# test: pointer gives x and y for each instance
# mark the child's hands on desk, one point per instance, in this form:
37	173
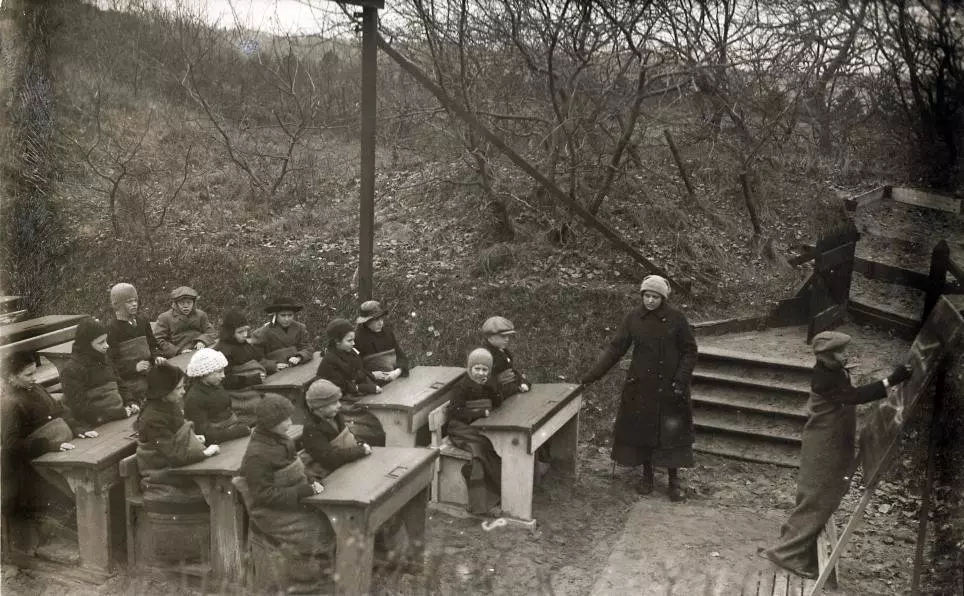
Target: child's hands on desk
142	366
367	448
317	487
159	359
524	387
282	365
199	345
294	360
66	446
90	434
132	409
211	450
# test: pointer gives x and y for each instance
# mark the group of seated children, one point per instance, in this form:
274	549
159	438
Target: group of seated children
119	369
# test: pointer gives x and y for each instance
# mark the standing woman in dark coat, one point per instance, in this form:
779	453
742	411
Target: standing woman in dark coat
827	456
655	421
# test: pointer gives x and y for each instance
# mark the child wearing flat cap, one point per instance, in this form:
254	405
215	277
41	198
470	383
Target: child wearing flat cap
504	377
184	328
827	457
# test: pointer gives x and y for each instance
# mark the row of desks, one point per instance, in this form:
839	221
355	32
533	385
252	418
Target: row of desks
380	482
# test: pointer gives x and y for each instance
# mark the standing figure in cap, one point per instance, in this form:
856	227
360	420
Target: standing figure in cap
376	344
285	341
184	328
132	348
342	366
827	459
654	426
474	397
504	377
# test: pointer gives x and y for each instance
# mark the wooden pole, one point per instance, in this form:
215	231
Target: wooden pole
366	219
588	218
925	507
679	163
937	278
750	205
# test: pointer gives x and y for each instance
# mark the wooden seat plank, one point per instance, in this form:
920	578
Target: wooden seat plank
39	342
22	330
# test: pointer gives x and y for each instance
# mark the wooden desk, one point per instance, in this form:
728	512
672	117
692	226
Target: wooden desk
361	496
87	473
403	405
213	476
8	303
292	383
60	354
524	423
15	332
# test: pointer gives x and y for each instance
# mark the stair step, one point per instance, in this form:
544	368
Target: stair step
772	383
748	449
734	364
756	401
762	427
767	362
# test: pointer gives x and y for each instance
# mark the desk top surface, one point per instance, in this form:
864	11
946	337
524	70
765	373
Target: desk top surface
408	393
294	377
65	349
115	441
526	411
228	460
371	479
33	327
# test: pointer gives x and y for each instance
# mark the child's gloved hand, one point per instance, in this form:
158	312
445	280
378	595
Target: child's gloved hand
142	366
66	446
317	487
186	351
90	434
282	365
368	448
524	387
199	345
294	360
380	375
160	359
378	389
132	409
211	450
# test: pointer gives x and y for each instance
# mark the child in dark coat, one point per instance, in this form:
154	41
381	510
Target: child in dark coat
473	397
827	455
504	377
207	404
90	386
376	344
247	366
328	440
285	341
342	366
274	484
132	348
184	328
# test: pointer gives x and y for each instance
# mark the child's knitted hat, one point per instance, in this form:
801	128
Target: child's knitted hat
206	361
121	293
322	393
479	356
657	284
272	410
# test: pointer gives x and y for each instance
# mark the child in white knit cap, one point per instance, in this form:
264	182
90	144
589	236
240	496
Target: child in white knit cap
207	403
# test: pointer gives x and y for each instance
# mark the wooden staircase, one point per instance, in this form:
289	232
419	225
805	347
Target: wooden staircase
749	407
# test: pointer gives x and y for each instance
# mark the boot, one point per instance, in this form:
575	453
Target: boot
645	485
675	490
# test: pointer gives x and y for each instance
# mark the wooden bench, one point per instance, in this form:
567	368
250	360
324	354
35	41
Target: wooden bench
361	496
448	485
87	473
403	406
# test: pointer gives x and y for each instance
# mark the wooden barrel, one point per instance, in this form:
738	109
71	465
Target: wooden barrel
180	537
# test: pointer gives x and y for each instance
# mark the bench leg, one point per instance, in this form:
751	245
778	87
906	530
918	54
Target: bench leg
518	476
354	552
413	516
564	445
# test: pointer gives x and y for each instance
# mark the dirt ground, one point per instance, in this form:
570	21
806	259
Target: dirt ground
596	536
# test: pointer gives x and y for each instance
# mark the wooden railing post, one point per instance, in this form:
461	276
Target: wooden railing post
937	278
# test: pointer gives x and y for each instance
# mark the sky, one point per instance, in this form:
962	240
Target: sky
268	16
